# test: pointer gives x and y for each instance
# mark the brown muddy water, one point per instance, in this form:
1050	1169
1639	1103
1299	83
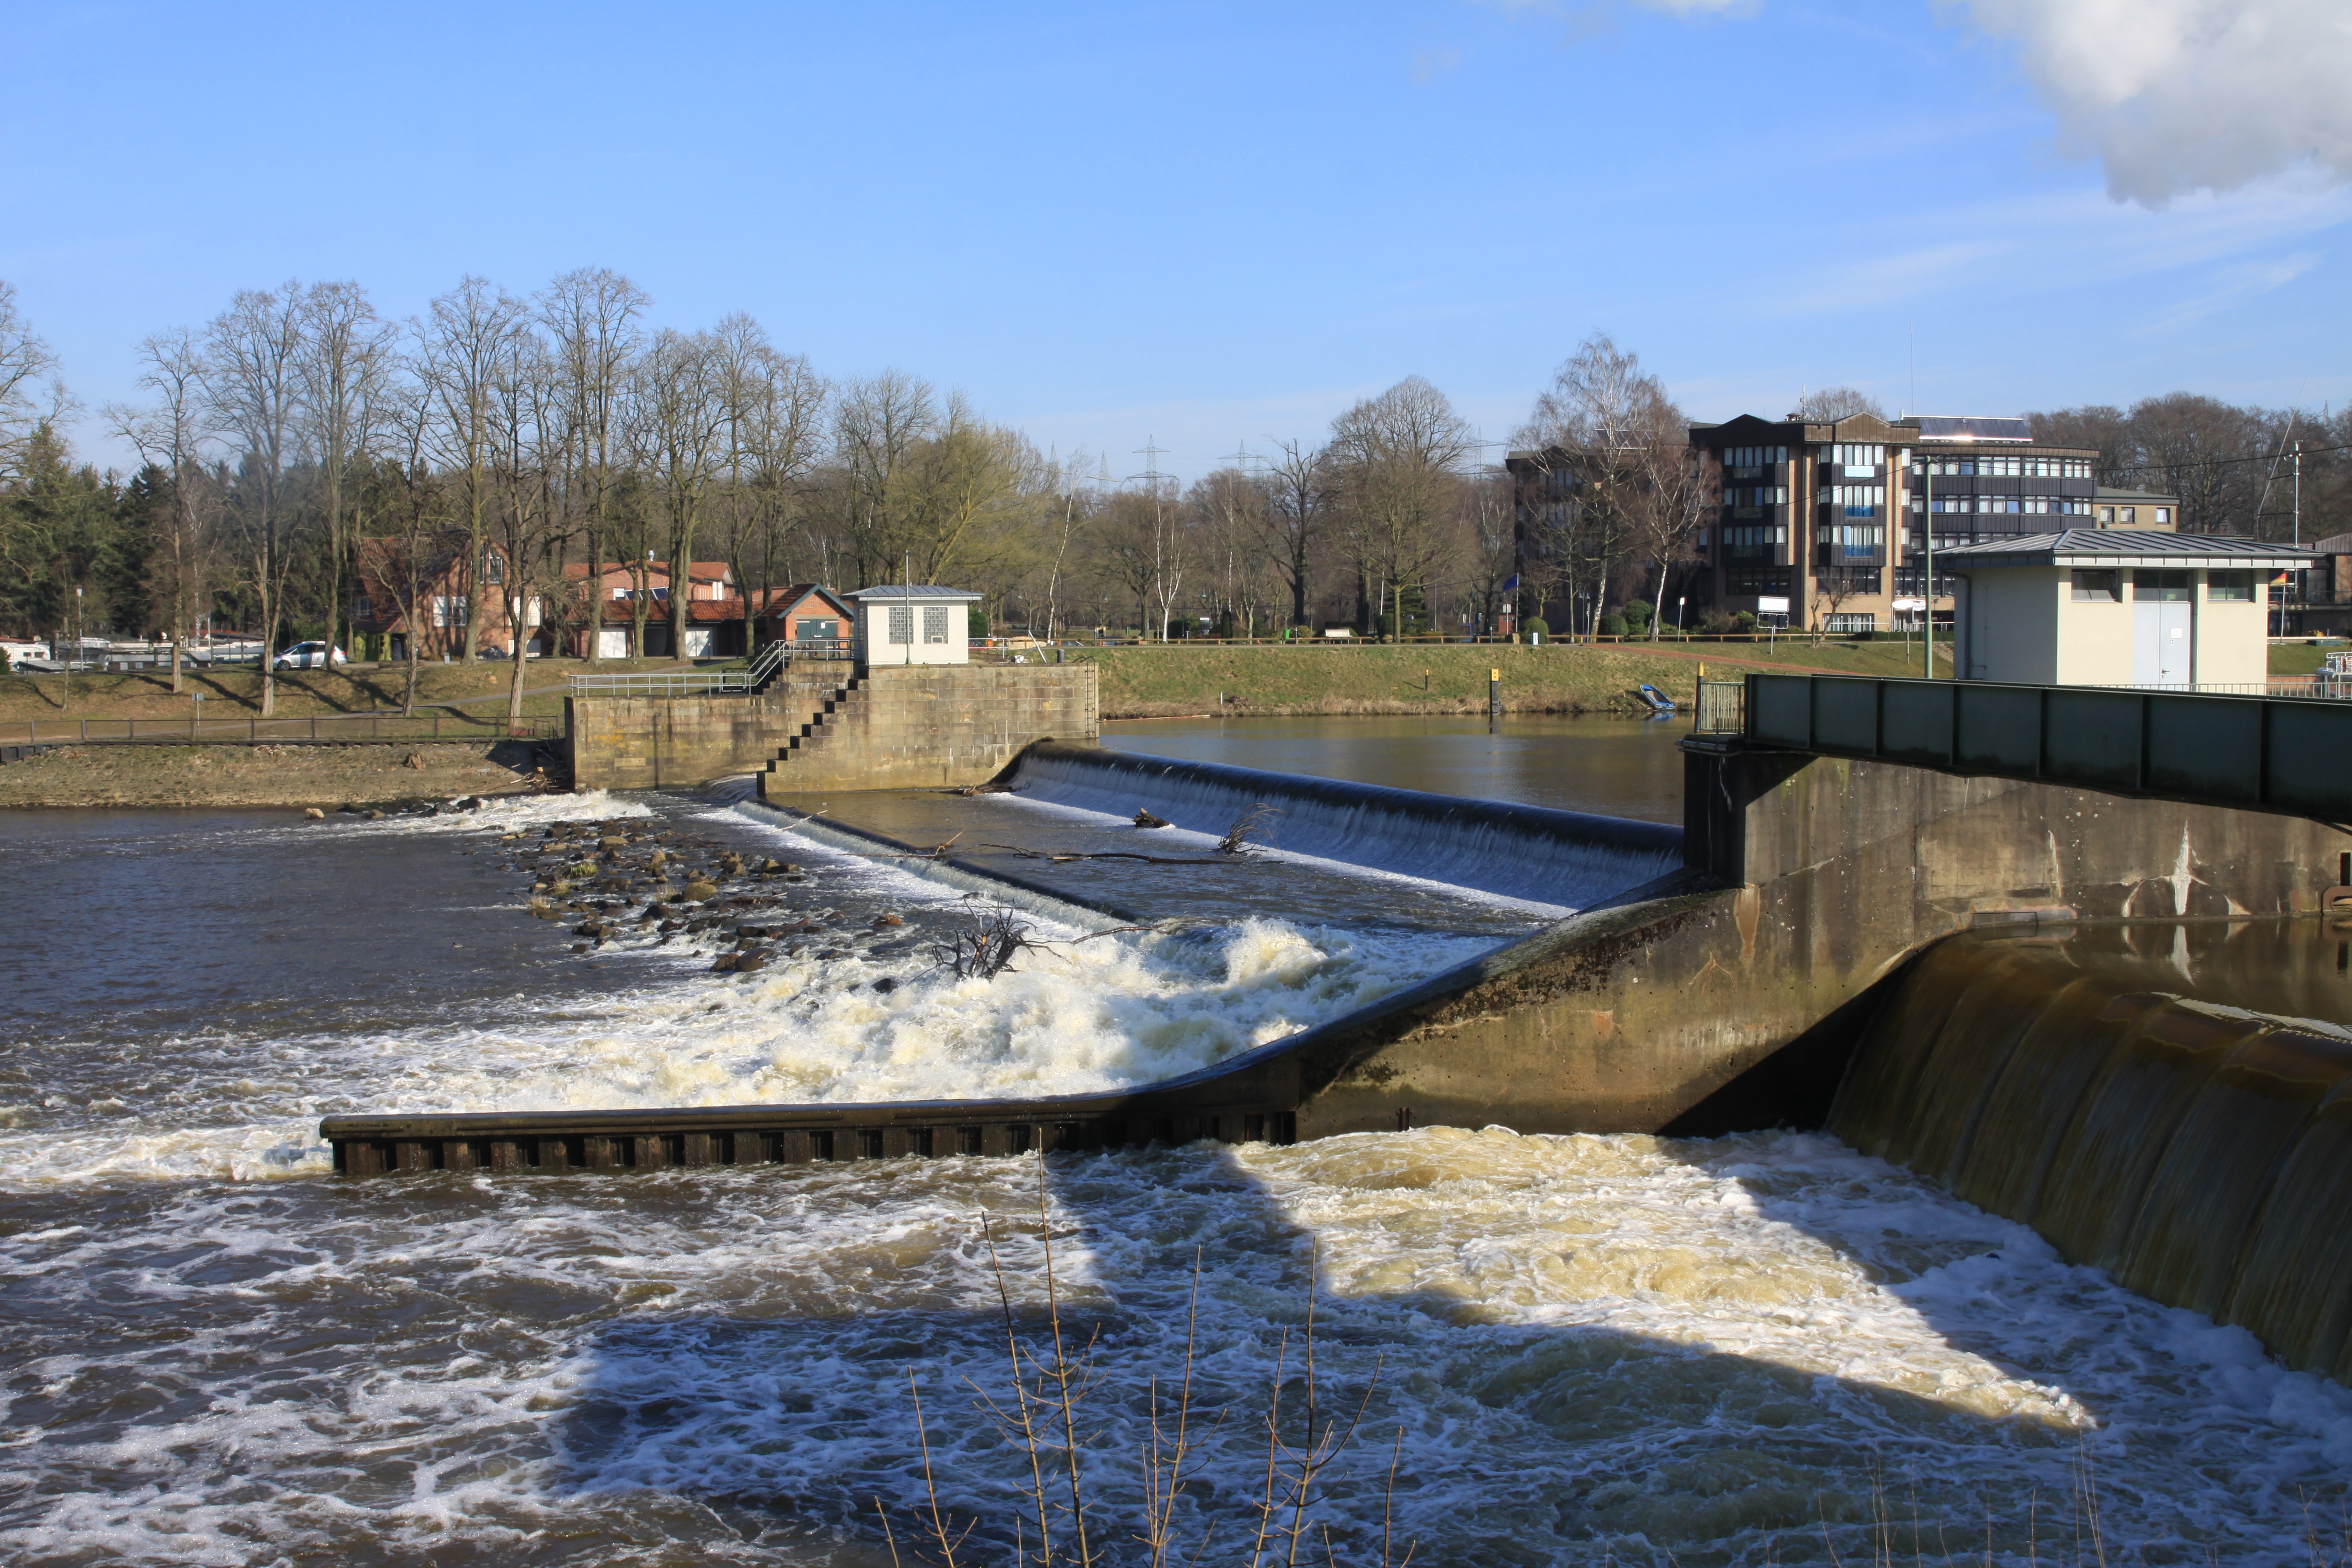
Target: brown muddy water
1596	1349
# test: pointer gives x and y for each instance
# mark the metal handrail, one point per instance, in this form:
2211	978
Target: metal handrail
712	682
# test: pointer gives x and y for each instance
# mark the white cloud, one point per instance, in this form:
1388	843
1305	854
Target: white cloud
2174	95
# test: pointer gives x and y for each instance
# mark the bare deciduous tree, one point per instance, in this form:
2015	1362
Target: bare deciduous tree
253	385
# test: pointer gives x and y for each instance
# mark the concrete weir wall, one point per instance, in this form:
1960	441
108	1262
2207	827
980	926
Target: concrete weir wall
1701	1007
647	742
832	725
934	726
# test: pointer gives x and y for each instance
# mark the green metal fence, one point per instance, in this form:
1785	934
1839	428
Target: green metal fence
2279	754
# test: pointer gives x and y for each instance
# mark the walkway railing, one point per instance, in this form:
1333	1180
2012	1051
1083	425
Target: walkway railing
741	682
326	729
2279	754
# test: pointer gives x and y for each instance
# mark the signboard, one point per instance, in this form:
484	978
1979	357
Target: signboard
1773	604
1910	603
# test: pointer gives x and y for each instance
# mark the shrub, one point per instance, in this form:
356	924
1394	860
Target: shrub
1614	626
1745	621
1638	613
1537	625
976	620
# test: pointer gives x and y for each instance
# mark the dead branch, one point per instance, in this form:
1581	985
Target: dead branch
1249	827
1062	856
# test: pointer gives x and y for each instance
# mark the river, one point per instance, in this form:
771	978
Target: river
1765	1348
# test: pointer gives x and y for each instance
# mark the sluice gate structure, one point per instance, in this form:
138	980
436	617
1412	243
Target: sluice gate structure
1754	968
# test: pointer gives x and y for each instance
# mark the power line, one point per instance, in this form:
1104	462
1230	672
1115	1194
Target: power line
2218	462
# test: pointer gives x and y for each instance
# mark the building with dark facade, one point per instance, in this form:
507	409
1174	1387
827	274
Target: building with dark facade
1835	517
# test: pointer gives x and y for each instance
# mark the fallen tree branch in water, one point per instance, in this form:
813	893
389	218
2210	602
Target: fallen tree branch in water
1061	856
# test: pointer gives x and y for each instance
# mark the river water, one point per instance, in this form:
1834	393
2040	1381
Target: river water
1757	1348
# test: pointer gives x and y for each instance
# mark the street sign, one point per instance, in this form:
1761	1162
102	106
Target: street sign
1773	604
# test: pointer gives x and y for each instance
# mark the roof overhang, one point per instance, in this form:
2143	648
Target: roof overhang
2259	561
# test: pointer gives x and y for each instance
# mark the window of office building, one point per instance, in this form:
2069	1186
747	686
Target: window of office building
1857	460
2229	587
2098	587
1850	621
1754	457
1754	538
1858	501
2163	515
1755	495
1852	539
1756	580
2171	587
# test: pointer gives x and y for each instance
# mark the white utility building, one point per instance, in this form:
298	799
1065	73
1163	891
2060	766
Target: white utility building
914	624
2110	606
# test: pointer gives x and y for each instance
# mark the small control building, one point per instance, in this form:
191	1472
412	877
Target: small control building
914	624
2099	606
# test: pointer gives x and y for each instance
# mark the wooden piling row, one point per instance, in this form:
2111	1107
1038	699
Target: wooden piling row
561	1143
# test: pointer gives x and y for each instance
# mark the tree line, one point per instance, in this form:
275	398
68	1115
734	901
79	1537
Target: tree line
561	430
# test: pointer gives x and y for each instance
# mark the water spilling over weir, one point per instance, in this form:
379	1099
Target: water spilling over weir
2198	1152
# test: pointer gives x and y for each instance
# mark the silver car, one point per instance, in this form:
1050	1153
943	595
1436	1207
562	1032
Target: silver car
309	655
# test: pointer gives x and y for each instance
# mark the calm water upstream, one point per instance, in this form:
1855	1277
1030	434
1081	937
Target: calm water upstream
1585	1349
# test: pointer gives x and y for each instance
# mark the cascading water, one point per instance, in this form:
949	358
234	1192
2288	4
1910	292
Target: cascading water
1565	858
2199	1153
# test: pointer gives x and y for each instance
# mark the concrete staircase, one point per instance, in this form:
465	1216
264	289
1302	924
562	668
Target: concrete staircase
824	727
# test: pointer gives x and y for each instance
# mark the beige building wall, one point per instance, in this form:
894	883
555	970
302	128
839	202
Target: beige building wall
2011	624
2233	638
2095	637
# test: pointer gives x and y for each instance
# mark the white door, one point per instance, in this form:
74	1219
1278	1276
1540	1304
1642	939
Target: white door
2162	643
697	642
613	642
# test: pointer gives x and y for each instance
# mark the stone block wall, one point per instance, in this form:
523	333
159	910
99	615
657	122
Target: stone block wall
646	742
936	726
928	726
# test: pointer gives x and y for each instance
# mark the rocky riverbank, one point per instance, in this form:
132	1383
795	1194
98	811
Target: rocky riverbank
326	776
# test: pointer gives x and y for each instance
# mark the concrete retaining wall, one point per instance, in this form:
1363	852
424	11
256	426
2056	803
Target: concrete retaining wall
935	726
1705	1007
824	725
646	743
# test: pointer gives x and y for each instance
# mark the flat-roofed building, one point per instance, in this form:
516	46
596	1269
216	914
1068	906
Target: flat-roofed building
1836	516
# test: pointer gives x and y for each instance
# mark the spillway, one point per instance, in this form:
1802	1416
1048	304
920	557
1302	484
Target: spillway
1569	858
2199	1153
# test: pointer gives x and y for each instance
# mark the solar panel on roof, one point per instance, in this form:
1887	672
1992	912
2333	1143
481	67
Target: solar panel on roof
1954	428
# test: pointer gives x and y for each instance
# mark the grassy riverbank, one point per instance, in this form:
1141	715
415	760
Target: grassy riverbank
324	776
480	690
1151	682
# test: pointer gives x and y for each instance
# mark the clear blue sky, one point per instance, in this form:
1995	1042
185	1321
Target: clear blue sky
1212	223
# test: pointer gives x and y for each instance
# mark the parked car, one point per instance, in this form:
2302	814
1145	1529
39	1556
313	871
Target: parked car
309	655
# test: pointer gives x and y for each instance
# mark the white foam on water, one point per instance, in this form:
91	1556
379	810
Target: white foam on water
1596	1348
506	814
1081	1011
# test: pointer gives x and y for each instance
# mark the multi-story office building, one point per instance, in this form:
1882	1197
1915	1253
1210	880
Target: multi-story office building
1835	517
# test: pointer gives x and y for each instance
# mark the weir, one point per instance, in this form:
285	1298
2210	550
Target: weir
1719	979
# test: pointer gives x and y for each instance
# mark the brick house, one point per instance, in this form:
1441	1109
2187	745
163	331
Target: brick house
714	611
388	610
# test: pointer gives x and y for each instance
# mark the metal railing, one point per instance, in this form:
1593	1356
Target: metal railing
1721	708
326	729
742	682
2277	753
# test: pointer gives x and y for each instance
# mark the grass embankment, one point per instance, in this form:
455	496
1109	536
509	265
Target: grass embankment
2300	657
479	690
324	776
1312	679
